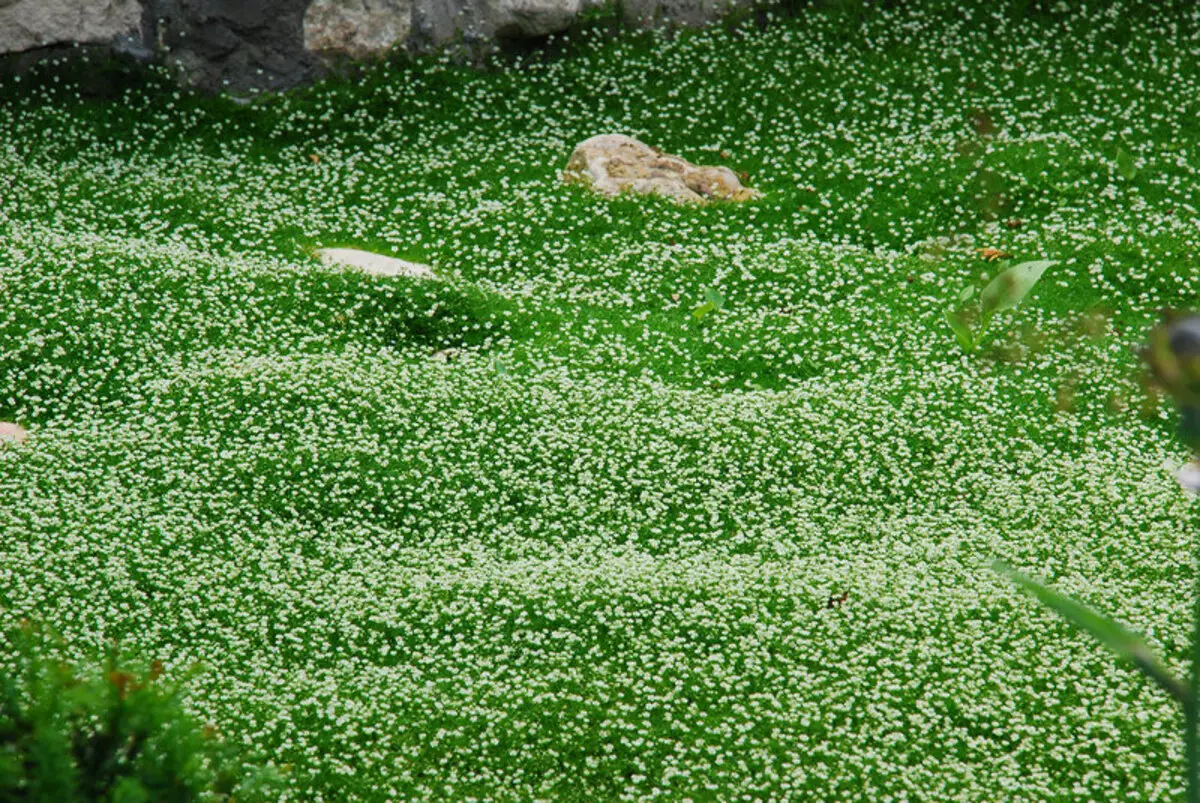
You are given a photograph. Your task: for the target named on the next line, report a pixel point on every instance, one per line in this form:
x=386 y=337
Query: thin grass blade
x=1113 y=635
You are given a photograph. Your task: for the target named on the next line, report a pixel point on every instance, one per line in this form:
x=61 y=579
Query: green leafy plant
x=713 y=301
x=1174 y=358
x=1126 y=165
x=1003 y=292
x=115 y=734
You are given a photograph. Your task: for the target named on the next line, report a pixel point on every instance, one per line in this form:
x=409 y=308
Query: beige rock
x=357 y=28
x=375 y=264
x=28 y=24
x=12 y=433
x=614 y=163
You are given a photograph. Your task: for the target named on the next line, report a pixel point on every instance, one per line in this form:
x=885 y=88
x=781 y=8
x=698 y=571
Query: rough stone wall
x=232 y=44
x=245 y=45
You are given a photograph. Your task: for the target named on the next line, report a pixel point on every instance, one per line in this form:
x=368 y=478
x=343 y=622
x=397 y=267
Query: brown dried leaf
x=992 y=254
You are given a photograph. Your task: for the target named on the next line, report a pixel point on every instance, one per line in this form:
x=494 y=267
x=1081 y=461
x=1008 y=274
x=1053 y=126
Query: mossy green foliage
x=536 y=530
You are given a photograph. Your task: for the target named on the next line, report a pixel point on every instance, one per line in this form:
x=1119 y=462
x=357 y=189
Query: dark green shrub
x=116 y=733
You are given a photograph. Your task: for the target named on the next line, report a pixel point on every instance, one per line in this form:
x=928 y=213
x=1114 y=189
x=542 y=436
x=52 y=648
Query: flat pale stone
x=13 y=433
x=374 y=264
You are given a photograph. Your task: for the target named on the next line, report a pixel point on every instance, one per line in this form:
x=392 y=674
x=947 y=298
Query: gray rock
x=234 y=45
x=133 y=47
x=1183 y=336
x=480 y=23
x=249 y=45
x=356 y=28
x=30 y=24
x=675 y=13
x=530 y=18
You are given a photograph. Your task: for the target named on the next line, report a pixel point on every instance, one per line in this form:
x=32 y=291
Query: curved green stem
x=1191 y=714
x=1191 y=752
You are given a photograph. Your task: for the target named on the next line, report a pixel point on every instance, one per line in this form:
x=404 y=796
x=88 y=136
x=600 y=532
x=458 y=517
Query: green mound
x=536 y=529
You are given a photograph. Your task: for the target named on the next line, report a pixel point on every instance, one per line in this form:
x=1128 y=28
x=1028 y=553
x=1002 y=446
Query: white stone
x=375 y=264
x=614 y=163
x=29 y=24
x=1188 y=477
x=357 y=28
x=12 y=433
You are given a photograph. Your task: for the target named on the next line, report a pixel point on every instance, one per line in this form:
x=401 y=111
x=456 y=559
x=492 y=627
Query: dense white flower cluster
x=596 y=549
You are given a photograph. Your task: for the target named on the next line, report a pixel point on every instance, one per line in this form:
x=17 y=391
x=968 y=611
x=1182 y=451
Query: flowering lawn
x=530 y=530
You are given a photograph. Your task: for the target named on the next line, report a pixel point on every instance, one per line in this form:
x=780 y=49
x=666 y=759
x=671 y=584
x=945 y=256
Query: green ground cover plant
x=1173 y=355
x=607 y=550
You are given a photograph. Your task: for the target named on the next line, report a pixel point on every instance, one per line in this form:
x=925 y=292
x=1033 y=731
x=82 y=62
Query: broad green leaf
x=1010 y=286
x=715 y=298
x=499 y=367
x=1111 y=634
x=965 y=294
x=962 y=333
x=1126 y=165
x=703 y=310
